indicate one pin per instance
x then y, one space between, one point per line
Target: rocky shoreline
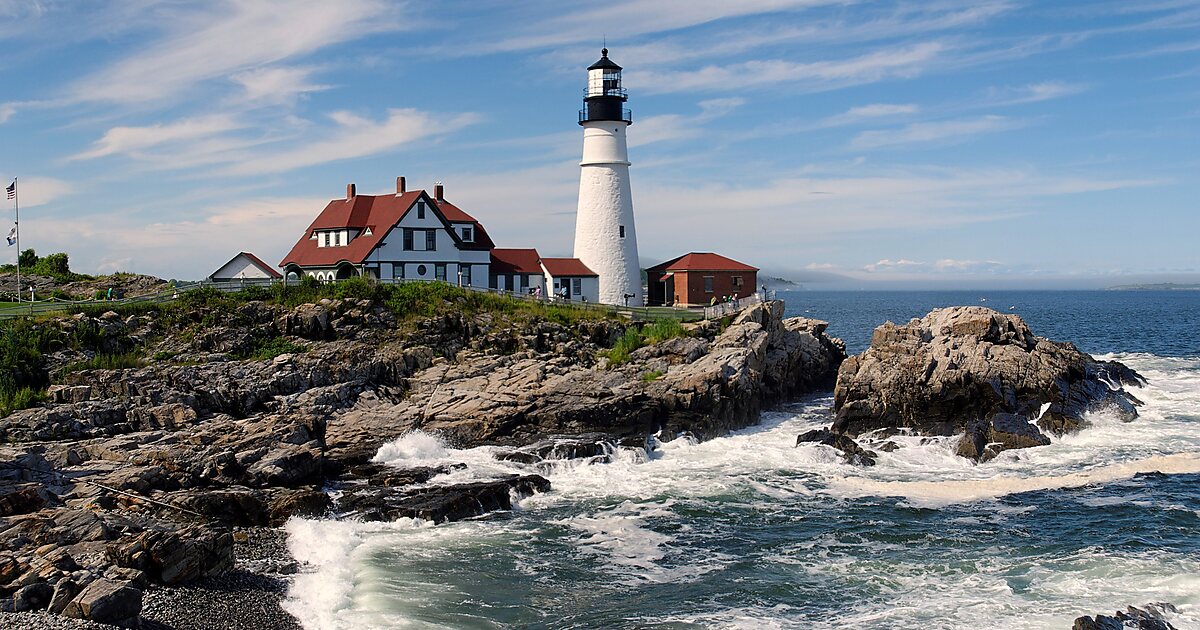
126 497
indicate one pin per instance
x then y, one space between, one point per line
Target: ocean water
748 531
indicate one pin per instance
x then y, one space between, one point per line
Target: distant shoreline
1162 286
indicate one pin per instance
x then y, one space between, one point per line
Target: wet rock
1149 617
441 503
850 450
975 371
306 503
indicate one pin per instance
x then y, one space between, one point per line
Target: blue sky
940 143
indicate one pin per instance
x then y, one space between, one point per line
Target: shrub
266 349
22 398
630 341
104 361
652 375
663 330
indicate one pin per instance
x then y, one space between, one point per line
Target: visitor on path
109 297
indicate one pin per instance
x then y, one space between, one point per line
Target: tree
27 259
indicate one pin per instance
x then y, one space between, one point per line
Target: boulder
106 601
441 503
176 557
850 450
977 372
1150 617
36 596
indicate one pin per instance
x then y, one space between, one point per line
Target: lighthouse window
622 231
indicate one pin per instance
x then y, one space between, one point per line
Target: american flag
12 190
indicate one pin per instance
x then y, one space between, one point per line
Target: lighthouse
605 236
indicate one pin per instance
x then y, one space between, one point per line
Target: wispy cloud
1032 93
928 132
229 37
39 191
906 61
886 264
274 86
6 111
869 112
666 127
134 140
354 136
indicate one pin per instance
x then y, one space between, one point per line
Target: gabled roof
506 260
256 261
566 267
454 214
379 212
701 261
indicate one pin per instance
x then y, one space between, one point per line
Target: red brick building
697 278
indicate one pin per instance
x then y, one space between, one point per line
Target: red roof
701 261
566 267
515 261
380 213
258 261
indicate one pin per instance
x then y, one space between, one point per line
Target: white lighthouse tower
605 237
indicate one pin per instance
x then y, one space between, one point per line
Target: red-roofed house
571 279
405 235
695 279
516 270
245 266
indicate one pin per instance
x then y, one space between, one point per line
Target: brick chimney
438 191
350 192
400 185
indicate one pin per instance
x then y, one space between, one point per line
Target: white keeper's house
411 235
408 235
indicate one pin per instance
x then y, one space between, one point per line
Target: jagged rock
176 557
591 446
850 450
21 499
441 503
975 371
1148 618
64 591
106 601
307 503
36 596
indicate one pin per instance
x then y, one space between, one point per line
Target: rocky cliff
132 477
980 373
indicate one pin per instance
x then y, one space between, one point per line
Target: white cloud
907 61
6 111
667 127
967 266
1033 93
925 132
229 37
40 191
354 136
869 112
133 140
888 265
276 85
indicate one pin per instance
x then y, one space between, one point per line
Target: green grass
20 398
651 376
105 361
650 334
630 341
267 349
663 330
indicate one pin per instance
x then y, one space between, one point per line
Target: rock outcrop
984 374
1149 617
129 478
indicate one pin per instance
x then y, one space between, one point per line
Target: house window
399 268
576 286
421 271
327 239
439 271
622 231
408 239
466 275
430 240
736 280
708 284
420 209
467 235
337 238
524 280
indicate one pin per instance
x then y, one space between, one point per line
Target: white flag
12 236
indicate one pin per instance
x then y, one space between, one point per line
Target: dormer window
337 238
468 234
326 239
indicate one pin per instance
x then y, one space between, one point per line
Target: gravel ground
247 598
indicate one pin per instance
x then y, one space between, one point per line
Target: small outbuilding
696 279
245 266
571 279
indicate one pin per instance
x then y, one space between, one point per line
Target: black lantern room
604 98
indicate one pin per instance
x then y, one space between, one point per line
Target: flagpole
17 222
